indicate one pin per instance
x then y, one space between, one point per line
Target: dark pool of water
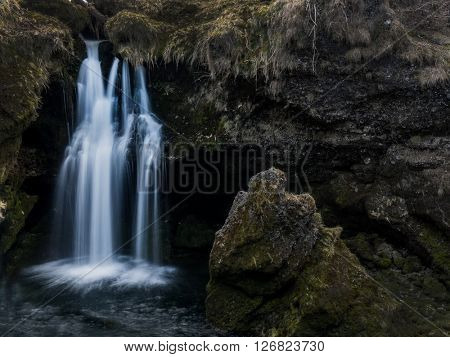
28 308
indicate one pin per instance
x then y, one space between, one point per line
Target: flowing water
111 167
148 142
96 174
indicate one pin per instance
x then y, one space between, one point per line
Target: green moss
22 98
8 154
411 264
383 262
229 307
362 247
434 288
332 296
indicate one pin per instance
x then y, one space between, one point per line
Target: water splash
121 273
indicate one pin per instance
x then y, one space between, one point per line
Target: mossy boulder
266 238
275 269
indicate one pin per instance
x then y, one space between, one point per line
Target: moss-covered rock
287 274
334 296
436 246
266 237
8 155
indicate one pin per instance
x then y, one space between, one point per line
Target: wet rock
277 270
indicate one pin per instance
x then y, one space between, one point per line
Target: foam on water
118 273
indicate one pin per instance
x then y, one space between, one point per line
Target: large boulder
275 269
266 238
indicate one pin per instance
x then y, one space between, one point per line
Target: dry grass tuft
269 38
431 76
136 36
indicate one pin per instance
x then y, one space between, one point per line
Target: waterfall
148 141
94 179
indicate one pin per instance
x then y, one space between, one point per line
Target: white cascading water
148 141
95 176
87 167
